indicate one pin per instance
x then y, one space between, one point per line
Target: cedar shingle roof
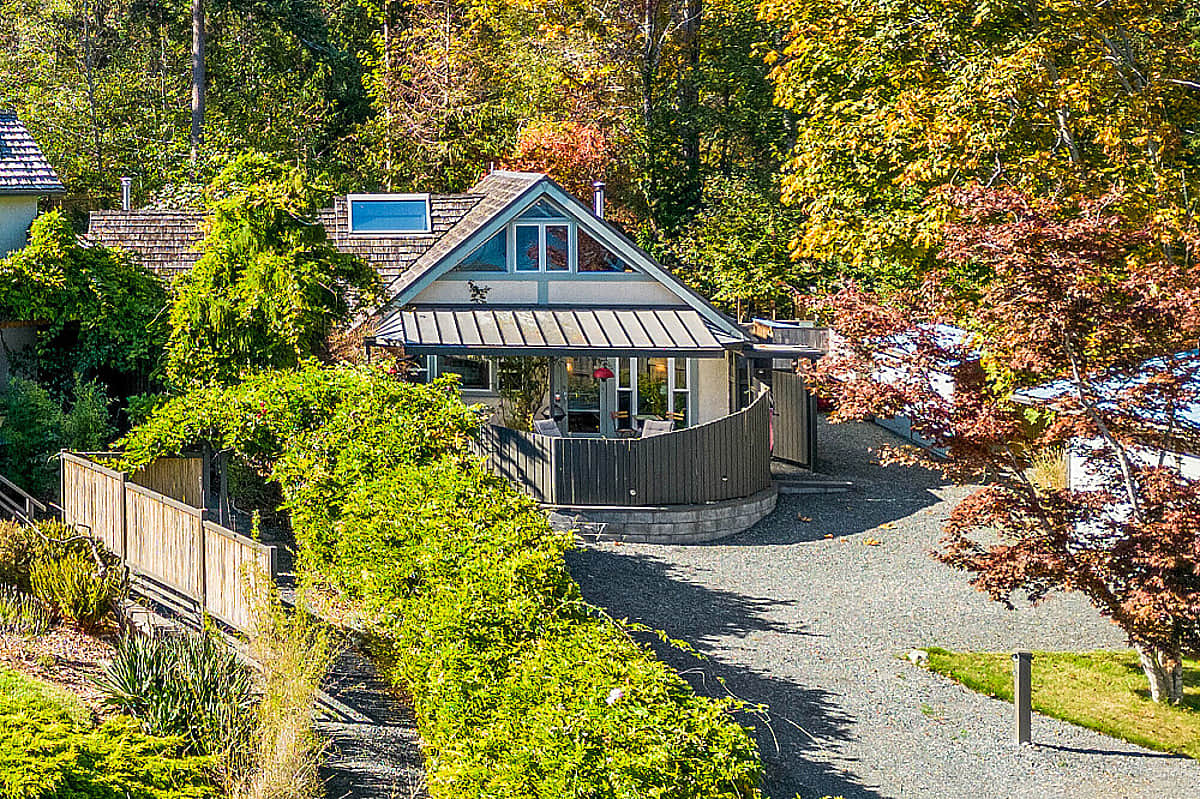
166 242
23 168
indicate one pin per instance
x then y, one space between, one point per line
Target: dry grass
1103 691
295 652
1048 469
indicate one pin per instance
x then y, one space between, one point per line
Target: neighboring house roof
167 242
1112 394
23 168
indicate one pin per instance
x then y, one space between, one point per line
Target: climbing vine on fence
520 688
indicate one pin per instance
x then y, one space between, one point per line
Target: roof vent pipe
126 191
598 198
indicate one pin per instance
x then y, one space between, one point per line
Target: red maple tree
1067 330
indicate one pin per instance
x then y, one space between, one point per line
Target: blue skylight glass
410 215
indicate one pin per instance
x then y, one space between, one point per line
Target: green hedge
520 688
49 749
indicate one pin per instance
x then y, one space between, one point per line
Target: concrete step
814 486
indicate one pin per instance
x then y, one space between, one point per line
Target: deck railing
724 459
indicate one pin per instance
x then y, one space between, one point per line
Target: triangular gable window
543 210
595 257
492 256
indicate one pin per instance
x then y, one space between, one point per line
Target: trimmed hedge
48 748
521 689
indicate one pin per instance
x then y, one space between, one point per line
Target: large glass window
474 371
652 388
382 213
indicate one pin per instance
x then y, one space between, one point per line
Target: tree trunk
1164 670
198 77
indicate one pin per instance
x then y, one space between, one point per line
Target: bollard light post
1022 694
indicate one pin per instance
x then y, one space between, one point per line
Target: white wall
16 214
1082 476
550 289
712 389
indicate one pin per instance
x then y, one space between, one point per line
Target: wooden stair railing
18 504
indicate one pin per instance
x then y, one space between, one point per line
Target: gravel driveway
804 617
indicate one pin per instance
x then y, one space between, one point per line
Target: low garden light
602 373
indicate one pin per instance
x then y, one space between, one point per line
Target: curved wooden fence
723 459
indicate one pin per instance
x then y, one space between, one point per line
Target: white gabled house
25 177
516 267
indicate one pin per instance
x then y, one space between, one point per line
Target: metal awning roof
493 330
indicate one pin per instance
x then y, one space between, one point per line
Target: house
25 177
1132 397
518 269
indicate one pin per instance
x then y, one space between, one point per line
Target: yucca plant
183 684
24 614
82 590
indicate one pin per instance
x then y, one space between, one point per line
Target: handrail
25 495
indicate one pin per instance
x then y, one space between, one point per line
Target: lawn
1104 691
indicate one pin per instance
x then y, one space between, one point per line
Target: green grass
24 696
1103 691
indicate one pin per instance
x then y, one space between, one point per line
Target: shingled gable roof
23 168
166 242
505 195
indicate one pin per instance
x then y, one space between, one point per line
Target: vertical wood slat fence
723 459
795 419
164 539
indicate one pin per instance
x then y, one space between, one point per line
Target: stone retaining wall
667 524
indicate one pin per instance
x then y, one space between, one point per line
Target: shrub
520 689
20 546
48 748
31 429
189 685
24 614
82 590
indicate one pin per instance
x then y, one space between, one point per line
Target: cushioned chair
656 427
547 427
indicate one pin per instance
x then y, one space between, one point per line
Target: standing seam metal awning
553 331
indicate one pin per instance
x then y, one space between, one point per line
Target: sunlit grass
1104 691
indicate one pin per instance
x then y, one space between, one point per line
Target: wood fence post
202 577
123 516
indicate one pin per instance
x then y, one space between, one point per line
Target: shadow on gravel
1113 752
800 720
881 494
374 749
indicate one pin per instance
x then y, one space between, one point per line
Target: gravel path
374 748
804 617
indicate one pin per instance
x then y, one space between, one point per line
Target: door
587 400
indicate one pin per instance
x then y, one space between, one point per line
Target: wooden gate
795 419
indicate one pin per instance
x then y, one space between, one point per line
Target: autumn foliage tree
1069 324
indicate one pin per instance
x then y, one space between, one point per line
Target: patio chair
656 427
547 427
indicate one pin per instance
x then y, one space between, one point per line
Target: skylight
389 213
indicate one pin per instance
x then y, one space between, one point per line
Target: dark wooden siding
724 459
795 419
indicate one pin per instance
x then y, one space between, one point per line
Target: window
491 257
543 239
389 213
474 371
595 257
652 388
529 248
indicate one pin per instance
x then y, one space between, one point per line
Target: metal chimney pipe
598 198
126 193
